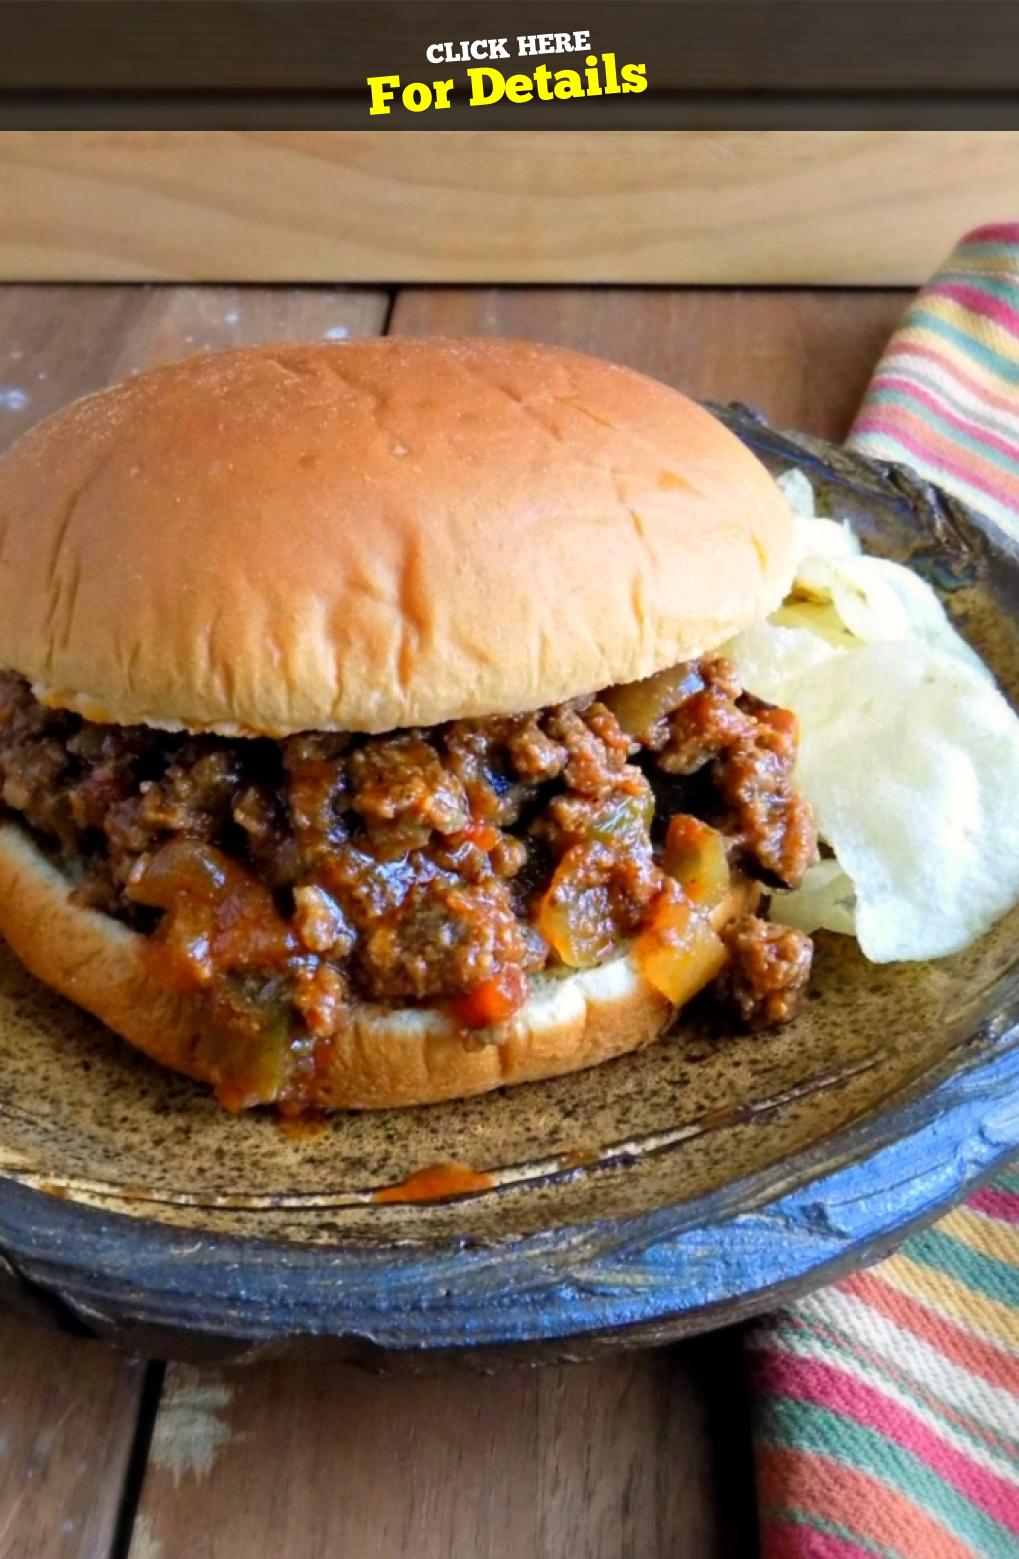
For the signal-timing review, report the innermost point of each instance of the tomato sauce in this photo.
(437, 1183)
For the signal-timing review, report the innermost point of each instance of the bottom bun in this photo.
(384, 1056)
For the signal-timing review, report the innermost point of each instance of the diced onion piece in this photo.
(625, 816)
(219, 916)
(695, 857)
(678, 951)
(574, 925)
(181, 867)
(638, 706)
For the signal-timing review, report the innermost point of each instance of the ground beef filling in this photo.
(439, 865)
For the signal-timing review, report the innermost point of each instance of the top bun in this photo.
(376, 534)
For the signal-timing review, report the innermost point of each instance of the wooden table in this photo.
(103, 1457)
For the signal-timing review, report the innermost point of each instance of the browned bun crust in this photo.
(385, 1058)
(376, 534)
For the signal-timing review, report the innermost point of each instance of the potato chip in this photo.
(824, 901)
(911, 762)
(880, 601)
(797, 491)
(873, 598)
(818, 617)
(909, 754)
(817, 537)
(770, 659)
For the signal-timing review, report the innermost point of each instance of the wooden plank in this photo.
(60, 342)
(832, 207)
(802, 358)
(68, 1412)
(600, 1460)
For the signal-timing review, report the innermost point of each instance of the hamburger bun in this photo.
(316, 537)
(367, 537)
(383, 1057)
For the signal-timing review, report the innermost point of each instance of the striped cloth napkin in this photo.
(887, 1406)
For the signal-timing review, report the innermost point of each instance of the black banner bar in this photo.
(735, 46)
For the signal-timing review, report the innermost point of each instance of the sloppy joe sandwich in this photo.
(364, 736)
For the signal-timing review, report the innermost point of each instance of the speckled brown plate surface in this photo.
(664, 1192)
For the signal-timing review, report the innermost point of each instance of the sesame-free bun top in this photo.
(367, 535)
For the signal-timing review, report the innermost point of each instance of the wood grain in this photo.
(830, 207)
(59, 342)
(68, 1411)
(598, 1461)
(801, 357)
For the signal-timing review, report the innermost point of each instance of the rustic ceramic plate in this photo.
(662, 1193)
